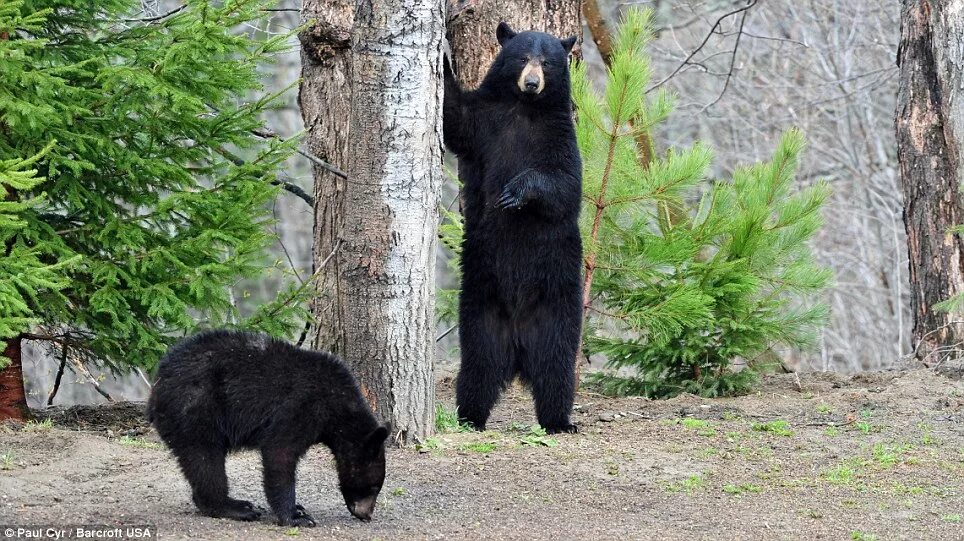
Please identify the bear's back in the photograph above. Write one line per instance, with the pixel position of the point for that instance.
(237, 384)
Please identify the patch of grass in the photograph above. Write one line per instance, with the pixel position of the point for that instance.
(956, 517)
(38, 426)
(694, 424)
(516, 426)
(742, 488)
(861, 536)
(6, 461)
(397, 491)
(824, 409)
(138, 442)
(612, 469)
(729, 415)
(430, 444)
(703, 428)
(293, 531)
(536, 437)
(926, 437)
(902, 489)
(688, 486)
(864, 427)
(831, 431)
(841, 475)
(807, 395)
(709, 451)
(447, 421)
(889, 455)
(778, 427)
(483, 447)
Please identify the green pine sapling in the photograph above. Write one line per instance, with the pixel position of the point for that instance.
(679, 303)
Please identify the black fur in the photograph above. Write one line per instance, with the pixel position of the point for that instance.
(520, 310)
(221, 390)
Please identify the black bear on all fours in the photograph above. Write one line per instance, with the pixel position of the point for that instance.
(520, 310)
(221, 390)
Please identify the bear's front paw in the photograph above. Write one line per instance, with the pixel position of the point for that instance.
(567, 429)
(513, 196)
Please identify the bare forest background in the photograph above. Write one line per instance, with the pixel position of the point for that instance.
(741, 75)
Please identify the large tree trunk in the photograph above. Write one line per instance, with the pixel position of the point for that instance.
(930, 146)
(471, 29)
(373, 107)
(13, 398)
(325, 100)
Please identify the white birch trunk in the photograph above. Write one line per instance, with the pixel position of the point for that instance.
(387, 254)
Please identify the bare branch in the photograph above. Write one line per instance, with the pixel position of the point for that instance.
(714, 29)
(729, 73)
(265, 133)
(157, 17)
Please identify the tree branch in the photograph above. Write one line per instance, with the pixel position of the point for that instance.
(265, 133)
(713, 30)
(729, 73)
(287, 186)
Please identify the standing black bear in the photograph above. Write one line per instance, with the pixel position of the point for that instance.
(520, 310)
(222, 390)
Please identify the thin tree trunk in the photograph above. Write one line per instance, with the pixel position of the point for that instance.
(13, 396)
(930, 145)
(325, 100)
(390, 213)
(471, 29)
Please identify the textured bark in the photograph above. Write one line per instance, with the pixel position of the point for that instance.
(930, 126)
(471, 29)
(386, 260)
(13, 398)
(325, 101)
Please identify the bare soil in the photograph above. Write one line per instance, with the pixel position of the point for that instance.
(873, 456)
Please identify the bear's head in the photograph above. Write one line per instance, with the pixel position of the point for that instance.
(361, 472)
(532, 66)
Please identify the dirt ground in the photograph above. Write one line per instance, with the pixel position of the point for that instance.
(873, 456)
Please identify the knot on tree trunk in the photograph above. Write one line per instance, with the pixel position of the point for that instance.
(322, 41)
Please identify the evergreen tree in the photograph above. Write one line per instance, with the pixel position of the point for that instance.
(134, 188)
(679, 302)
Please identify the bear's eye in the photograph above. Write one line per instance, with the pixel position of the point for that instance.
(523, 60)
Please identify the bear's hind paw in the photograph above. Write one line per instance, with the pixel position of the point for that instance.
(299, 517)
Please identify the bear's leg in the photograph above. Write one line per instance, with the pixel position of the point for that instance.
(550, 341)
(204, 469)
(487, 364)
(279, 465)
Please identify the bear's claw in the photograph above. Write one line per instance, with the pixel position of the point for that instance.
(299, 517)
(568, 429)
(512, 196)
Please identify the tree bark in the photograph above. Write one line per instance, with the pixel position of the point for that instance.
(13, 397)
(471, 29)
(389, 215)
(325, 101)
(930, 141)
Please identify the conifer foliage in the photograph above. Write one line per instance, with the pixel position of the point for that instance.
(133, 191)
(677, 303)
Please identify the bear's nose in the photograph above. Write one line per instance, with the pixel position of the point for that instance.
(532, 83)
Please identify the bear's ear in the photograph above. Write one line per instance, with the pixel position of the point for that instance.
(377, 437)
(504, 33)
(568, 43)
